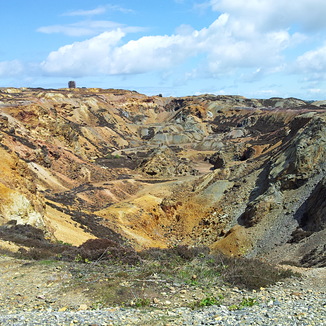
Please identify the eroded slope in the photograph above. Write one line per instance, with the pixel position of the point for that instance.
(245, 177)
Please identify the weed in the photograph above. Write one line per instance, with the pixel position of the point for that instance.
(142, 302)
(64, 243)
(97, 305)
(112, 156)
(233, 307)
(184, 274)
(192, 282)
(210, 261)
(246, 302)
(209, 300)
(78, 258)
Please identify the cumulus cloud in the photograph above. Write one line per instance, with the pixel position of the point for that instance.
(248, 34)
(86, 58)
(224, 45)
(102, 55)
(234, 47)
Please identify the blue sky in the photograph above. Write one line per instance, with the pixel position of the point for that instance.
(254, 48)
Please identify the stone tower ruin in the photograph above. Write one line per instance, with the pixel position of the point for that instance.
(72, 84)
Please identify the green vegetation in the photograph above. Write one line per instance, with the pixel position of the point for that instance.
(113, 273)
(64, 243)
(140, 282)
(210, 300)
(112, 156)
(246, 302)
(142, 302)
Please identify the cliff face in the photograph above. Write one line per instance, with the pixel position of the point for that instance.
(243, 176)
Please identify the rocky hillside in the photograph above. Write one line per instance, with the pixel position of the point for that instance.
(242, 176)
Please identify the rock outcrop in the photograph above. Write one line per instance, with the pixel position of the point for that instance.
(163, 162)
(314, 217)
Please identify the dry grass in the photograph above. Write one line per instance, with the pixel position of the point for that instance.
(115, 274)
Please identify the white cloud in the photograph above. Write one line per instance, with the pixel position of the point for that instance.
(97, 11)
(102, 55)
(315, 91)
(11, 68)
(230, 46)
(88, 28)
(312, 64)
(151, 53)
(248, 41)
(83, 28)
(225, 45)
(276, 14)
(85, 58)
(184, 29)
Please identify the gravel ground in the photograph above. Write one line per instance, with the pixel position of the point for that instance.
(284, 309)
(278, 306)
(296, 301)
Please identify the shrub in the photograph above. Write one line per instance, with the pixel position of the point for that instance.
(25, 235)
(35, 253)
(250, 273)
(102, 250)
(178, 253)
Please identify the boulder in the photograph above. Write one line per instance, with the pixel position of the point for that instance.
(217, 160)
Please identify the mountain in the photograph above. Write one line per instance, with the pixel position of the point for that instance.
(241, 176)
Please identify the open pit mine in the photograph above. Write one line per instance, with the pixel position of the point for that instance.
(245, 177)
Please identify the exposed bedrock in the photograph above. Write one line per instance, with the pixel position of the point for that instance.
(242, 176)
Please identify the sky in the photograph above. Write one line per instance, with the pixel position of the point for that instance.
(253, 48)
